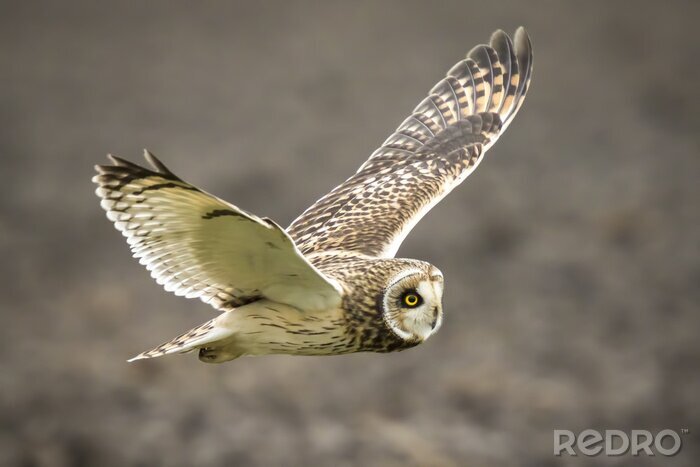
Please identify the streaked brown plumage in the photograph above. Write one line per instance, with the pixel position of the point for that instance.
(329, 284)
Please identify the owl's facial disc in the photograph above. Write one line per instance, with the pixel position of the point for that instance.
(413, 304)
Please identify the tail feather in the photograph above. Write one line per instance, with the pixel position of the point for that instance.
(193, 339)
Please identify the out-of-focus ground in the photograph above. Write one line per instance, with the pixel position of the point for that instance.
(571, 255)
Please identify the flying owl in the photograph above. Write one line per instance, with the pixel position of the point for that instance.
(328, 284)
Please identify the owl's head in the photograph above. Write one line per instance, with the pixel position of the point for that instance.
(412, 302)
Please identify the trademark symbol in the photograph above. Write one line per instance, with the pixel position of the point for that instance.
(685, 431)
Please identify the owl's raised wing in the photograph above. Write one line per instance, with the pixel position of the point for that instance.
(199, 246)
(429, 154)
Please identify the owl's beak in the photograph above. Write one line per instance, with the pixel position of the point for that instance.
(436, 314)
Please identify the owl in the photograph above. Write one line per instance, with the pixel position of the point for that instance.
(329, 284)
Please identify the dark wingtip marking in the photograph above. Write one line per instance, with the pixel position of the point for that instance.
(498, 35)
(118, 161)
(523, 44)
(157, 164)
(521, 31)
(124, 171)
(523, 50)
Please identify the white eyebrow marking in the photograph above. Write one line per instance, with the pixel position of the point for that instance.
(402, 276)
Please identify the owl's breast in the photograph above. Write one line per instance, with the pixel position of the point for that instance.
(365, 322)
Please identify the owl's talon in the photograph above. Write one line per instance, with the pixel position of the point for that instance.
(207, 353)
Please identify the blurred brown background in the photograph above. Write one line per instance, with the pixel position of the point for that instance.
(572, 281)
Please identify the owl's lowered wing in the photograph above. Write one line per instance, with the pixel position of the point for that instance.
(199, 246)
(429, 154)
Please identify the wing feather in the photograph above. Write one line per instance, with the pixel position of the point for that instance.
(199, 246)
(431, 152)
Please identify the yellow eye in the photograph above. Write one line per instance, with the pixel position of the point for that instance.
(411, 299)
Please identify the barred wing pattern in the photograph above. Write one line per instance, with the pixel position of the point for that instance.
(429, 154)
(199, 246)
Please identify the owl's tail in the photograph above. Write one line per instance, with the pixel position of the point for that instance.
(196, 338)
